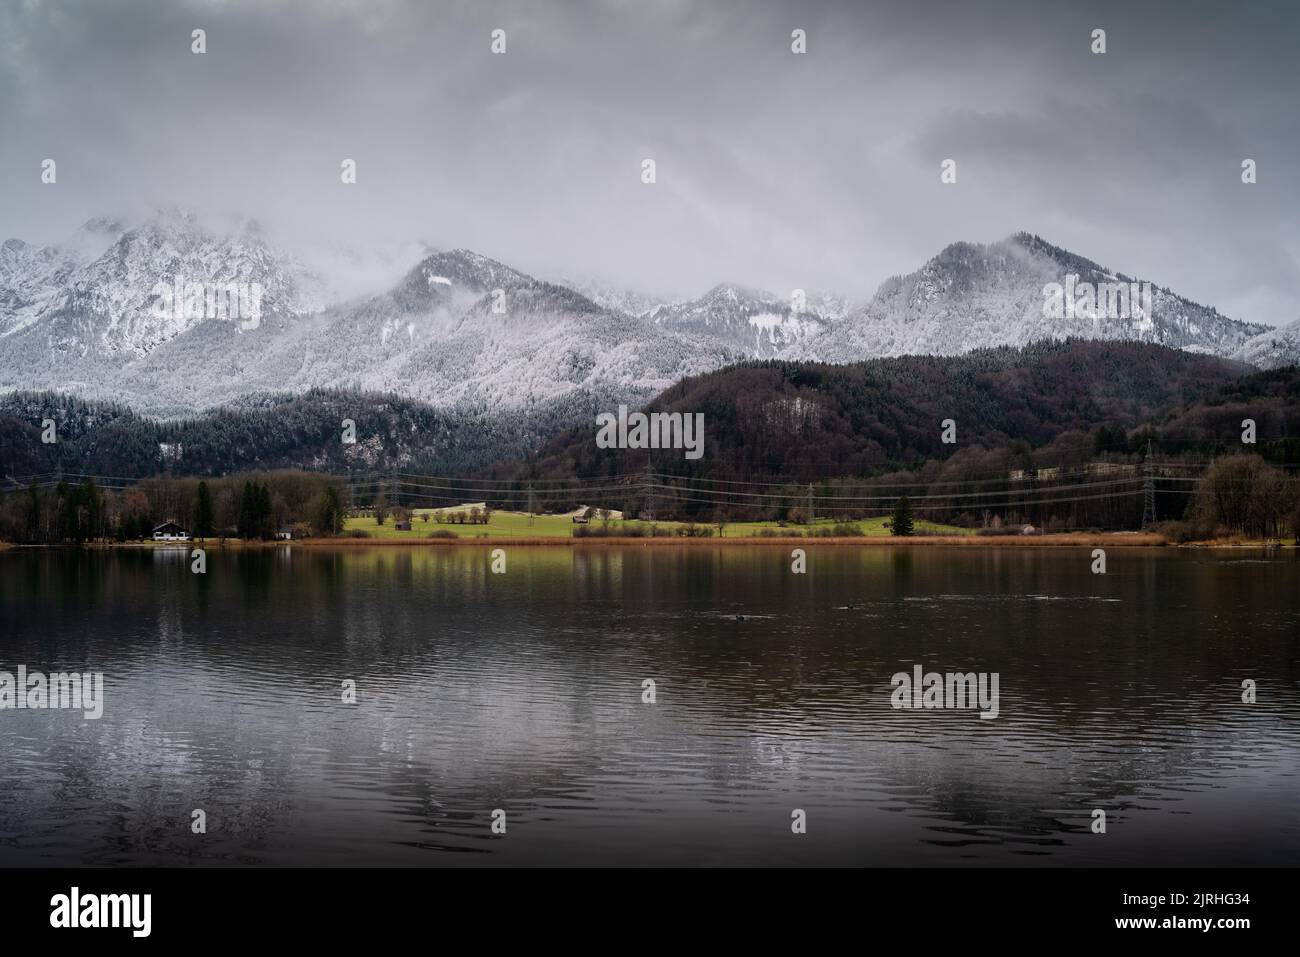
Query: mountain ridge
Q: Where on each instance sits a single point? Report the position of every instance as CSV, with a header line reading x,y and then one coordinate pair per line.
x,y
974,295
462,330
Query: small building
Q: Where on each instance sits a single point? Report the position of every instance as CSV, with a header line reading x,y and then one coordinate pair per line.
x,y
170,532
1016,475
284,533
1028,530
583,517
402,526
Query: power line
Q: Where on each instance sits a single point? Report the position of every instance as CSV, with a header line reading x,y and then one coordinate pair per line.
x,y
945,497
519,481
1148,489
884,509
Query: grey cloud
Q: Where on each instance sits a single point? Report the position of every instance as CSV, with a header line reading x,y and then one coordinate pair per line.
x,y
774,170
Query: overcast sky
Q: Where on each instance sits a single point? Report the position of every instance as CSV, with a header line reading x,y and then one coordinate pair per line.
x,y
774,169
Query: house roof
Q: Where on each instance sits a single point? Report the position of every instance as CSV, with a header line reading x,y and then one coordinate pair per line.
x,y
159,528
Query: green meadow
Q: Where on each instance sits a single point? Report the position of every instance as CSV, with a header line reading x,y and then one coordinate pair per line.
x,y
520,525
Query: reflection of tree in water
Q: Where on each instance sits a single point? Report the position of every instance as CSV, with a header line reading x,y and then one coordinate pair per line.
x,y
521,691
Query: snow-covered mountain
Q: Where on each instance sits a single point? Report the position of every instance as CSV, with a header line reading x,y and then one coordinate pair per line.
x,y
457,330
72,302
464,330
756,322
615,298
461,330
34,278
1273,348
972,296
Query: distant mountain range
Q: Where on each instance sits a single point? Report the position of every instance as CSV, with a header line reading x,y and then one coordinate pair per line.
x,y
464,332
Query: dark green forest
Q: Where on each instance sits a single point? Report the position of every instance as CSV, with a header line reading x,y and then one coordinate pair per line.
x,y
263,432
1073,420
805,422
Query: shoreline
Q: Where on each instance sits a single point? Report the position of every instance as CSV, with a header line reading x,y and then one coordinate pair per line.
x,y
848,541
1062,540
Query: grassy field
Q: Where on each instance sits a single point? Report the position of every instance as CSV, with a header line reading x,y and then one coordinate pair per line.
x,y
502,525
517,525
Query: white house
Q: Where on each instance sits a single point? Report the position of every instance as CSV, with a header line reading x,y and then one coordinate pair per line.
x,y
170,532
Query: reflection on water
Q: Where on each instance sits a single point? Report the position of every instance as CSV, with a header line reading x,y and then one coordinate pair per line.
x,y
523,692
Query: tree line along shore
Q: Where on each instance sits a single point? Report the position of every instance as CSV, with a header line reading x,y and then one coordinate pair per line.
x,y
1241,499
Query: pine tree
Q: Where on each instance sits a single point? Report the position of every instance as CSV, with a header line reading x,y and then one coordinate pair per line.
x,y
902,521
203,512
33,513
67,512
265,513
248,512
90,511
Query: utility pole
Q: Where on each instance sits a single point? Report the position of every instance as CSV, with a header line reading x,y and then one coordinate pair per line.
x,y
812,517
531,505
1148,488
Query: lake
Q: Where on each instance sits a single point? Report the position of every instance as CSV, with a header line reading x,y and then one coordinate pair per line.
x,y
523,692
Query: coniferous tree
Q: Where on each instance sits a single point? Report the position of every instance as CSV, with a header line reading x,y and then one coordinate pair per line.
x,y
203,512
67,512
246,525
34,519
901,524
89,511
265,513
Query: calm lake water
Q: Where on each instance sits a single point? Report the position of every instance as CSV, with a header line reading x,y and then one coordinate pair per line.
x,y
523,691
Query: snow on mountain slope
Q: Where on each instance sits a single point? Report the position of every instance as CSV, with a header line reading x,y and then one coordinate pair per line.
x,y
1273,348
461,329
110,305
973,296
32,278
759,323
630,302
445,336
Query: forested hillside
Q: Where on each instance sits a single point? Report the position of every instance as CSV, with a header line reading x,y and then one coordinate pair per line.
x,y
1052,435
780,420
264,432
810,421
